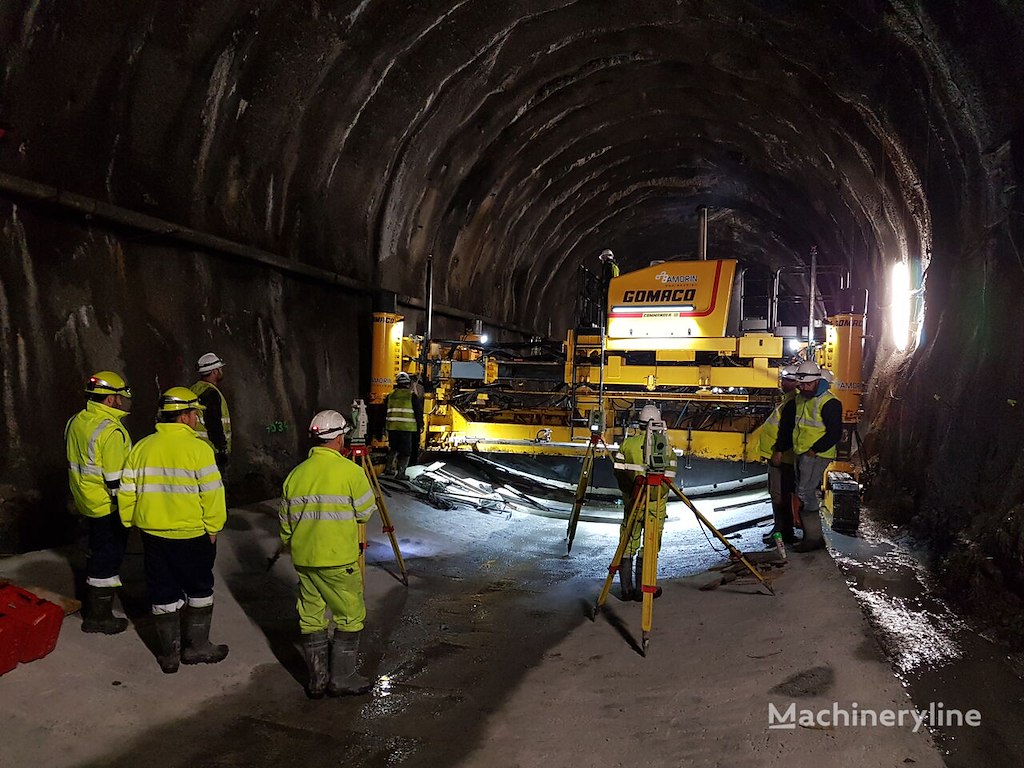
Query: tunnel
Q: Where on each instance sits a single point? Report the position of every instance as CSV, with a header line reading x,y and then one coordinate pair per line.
x,y
250,177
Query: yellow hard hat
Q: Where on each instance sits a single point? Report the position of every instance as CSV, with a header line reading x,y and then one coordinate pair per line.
x,y
178,399
107,383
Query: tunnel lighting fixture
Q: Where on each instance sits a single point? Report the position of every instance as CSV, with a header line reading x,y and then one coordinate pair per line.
x,y
483,339
794,344
679,308
899,304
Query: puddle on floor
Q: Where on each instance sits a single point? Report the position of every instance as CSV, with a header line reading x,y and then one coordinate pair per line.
x,y
942,661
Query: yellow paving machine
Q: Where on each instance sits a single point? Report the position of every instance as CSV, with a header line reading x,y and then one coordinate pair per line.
x,y
677,333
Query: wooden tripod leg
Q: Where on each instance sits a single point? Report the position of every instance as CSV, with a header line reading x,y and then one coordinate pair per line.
x,y
386,525
734,553
581,492
389,529
649,575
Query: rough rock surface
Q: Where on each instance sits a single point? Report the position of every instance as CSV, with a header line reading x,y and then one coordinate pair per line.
x,y
513,141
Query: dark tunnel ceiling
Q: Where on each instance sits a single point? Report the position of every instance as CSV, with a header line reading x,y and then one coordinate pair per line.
x,y
515,140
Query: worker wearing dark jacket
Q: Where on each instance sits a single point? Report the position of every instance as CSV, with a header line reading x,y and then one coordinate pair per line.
x,y
609,271
214,420
817,426
781,464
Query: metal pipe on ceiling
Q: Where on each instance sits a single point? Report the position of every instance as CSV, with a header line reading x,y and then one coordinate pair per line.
x,y
91,208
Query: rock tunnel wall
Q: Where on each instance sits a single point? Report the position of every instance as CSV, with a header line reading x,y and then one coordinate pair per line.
x,y
513,141
76,298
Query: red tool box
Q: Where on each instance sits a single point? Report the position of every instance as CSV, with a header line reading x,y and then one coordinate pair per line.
x,y
29,626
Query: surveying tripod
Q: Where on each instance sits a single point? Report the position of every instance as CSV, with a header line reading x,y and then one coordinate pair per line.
x,y
581,487
643,510
359,452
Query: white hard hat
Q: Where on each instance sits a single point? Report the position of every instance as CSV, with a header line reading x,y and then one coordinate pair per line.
x,y
827,375
788,371
327,425
808,371
606,255
402,378
209,362
649,412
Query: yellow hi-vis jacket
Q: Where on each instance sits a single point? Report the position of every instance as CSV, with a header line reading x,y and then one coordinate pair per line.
x,y
97,446
770,431
401,416
171,486
325,499
629,463
810,427
225,418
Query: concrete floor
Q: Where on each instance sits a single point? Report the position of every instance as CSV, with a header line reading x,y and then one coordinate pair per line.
x,y
488,658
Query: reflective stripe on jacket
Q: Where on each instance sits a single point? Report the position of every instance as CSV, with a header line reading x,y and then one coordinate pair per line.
x,y
770,431
810,427
401,416
325,499
97,445
171,486
225,418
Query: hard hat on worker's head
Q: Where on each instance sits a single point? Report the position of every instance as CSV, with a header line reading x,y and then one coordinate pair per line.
x,y
807,371
327,425
828,376
606,255
402,379
208,362
178,399
107,383
788,371
649,412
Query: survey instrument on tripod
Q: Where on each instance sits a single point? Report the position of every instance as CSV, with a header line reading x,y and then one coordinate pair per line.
x,y
359,452
586,474
653,466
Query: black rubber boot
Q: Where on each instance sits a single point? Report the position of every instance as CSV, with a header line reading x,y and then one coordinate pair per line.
x,y
168,641
315,648
813,538
98,612
403,464
638,594
626,578
197,648
389,464
345,681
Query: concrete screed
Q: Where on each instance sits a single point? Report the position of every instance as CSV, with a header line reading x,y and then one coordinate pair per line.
x,y
487,659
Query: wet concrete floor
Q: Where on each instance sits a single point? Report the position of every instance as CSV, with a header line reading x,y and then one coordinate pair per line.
x,y
937,655
487,658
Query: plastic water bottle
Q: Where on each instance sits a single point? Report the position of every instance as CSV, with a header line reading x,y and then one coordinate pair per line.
x,y
780,547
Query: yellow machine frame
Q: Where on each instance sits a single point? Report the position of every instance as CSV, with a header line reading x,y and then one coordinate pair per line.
x,y
676,315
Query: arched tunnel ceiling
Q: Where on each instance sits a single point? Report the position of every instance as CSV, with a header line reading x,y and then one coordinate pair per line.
x,y
512,140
